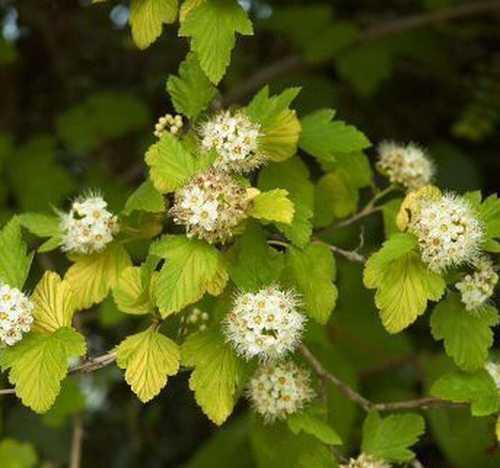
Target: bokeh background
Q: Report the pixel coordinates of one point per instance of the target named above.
(78, 106)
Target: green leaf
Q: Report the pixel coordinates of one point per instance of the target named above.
(15, 262)
(54, 304)
(478, 389)
(280, 126)
(147, 18)
(145, 198)
(171, 164)
(191, 269)
(467, 336)
(322, 137)
(252, 263)
(91, 277)
(131, 293)
(191, 92)
(334, 198)
(389, 438)
(311, 271)
(41, 225)
(403, 282)
(69, 402)
(489, 212)
(148, 359)
(273, 205)
(311, 423)
(293, 176)
(212, 26)
(389, 212)
(39, 363)
(16, 454)
(217, 374)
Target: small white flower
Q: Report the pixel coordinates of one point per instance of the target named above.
(365, 461)
(266, 324)
(211, 205)
(407, 165)
(448, 232)
(494, 370)
(195, 320)
(235, 138)
(168, 123)
(277, 390)
(15, 315)
(476, 288)
(88, 227)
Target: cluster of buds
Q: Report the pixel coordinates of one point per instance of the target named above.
(406, 165)
(494, 370)
(194, 320)
(211, 206)
(365, 461)
(88, 227)
(476, 288)
(266, 324)
(277, 390)
(448, 232)
(235, 138)
(15, 315)
(168, 123)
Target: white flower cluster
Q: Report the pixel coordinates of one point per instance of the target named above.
(407, 165)
(277, 390)
(266, 324)
(211, 205)
(170, 123)
(15, 315)
(194, 320)
(476, 288)
(494, 370)
(448, 232)
(235, 138)
(365, 461)
(88, 227)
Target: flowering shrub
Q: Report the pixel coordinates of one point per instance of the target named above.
(236, 282)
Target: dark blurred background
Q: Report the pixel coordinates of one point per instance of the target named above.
(78, 105)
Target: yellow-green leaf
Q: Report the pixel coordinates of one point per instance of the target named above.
(91, 277)
(273, 205)
(404, 283)
(148, 358)
(54, 303)
(147, 18)
(39, 363)
(191, 269)
(131, 295)
(217, 373)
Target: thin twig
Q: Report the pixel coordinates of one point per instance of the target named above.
(76, 442)
(367, 211)
(87, 366)
(286, 65)
(367, 405)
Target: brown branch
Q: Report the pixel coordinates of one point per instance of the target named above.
(76, 442)
(292, 63)
(367, 405)
(87, 366)
(350, 255)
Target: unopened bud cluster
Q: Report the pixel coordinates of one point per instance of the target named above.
(211, 205)
(168, 123)
(88, 227)
(366, 461)
(194, 320)
(235, 138)
(494, 370)
(15, 315)
(476, 288)
(407, 165)
(277, 390)
(266, 324)
(448, 232)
